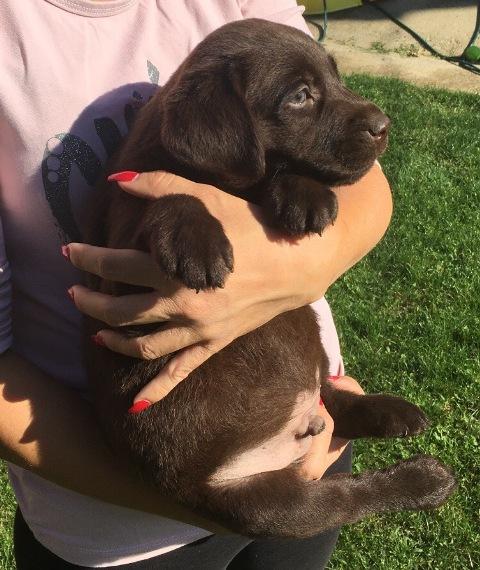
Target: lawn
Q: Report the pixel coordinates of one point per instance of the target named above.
(409, 320)
(7, 510)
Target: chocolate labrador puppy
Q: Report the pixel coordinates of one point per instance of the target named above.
(257, 109)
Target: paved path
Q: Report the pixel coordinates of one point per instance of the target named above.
(364, 41)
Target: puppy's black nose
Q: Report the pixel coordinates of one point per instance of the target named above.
(378, 124)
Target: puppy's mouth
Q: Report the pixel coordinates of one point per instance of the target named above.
(351, 175)
(349, 167)
(354, 159)
(364, 139)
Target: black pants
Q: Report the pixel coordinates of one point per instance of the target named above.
(216, 552)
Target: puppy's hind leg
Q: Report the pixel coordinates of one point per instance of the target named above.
(281, 504)
(371, 415)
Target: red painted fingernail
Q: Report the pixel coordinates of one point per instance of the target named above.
(333, 378)
(66, 252)
(70, 294)
(98, 340)
(139, 406)
(125, 176)
(321, 402)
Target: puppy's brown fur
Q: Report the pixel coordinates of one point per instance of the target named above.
(257, 109)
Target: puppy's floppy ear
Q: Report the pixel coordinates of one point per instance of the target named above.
(207, 125)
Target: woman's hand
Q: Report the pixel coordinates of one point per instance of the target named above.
(199, 323)
(271, 275)
(326, 448)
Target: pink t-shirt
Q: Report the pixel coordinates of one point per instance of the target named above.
(73, 74)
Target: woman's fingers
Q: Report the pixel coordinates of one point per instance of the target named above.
(143, 308)
(121, 265)
(315, 462)
(337, 444)
(176, 370)
(153, 185)
(346, 383)
(326, 449)
(337, 447)
(150, 346)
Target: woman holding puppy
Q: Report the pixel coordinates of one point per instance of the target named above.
(74, 73)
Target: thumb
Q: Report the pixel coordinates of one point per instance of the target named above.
(174, 372)
(151, 185)
(314, 463)
(346, 383)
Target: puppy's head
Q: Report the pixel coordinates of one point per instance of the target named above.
(254, 95)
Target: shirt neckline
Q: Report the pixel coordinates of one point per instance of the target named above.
(89, 8)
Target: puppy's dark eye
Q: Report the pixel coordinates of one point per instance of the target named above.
(300, 98)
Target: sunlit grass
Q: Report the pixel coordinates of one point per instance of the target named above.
(409, 319)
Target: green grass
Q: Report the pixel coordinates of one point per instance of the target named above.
(409, 318)
(7, 510)
(409, 321)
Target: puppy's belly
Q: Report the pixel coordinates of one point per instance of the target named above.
(277, 452)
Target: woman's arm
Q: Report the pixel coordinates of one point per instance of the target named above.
(50, 430)
(364, 213)
(272, 275)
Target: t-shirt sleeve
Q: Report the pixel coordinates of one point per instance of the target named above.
(5, 298)
(281, 11)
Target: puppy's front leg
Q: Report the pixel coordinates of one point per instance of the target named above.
(187, 242)
(298, 205)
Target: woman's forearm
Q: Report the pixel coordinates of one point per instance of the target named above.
(364, 212)
(362, 231)
(50, 430)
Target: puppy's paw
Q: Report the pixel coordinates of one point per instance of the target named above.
(424, 482)
(402, 418)
(187, 242)
(391, 416)
(298, 205)
(375, 415)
